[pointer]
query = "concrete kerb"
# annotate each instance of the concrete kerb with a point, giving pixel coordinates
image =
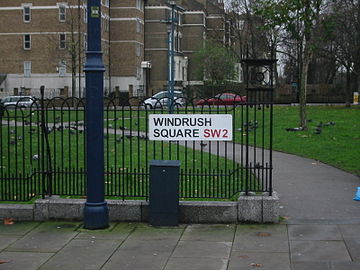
(248, 209)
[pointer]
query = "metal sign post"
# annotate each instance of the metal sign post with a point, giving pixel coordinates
(96, 214)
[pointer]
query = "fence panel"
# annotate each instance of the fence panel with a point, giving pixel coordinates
(43, 149)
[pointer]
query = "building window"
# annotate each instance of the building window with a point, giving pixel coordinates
(62, 68)
(26, 14)
(27, 69)
(27, 42)
(85, 14)
(138, 73)
(62, 41)
(85, 42)
(138, 26)
(138, 49)
(107, 21)
(62, 13)
(140, 5)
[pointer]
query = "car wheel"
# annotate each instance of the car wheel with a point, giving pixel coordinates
(148, 106)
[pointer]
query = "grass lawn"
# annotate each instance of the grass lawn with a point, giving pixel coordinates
(337, 145)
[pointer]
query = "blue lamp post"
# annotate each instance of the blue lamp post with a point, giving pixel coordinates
(96, 214)
(171, 53)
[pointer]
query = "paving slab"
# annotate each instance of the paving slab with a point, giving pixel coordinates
(205, 232)
(89, 254)
(319, 251)
(261, 238)
(260, 260)
(314, 232)
(6, 240)
(118, 231)
(197, 264)
(202, 249)
(23, 260)
(48, 237)
(149, 247)
(350, 230)
(147, 232)
(345, 266)
(18, 228)
(311, 266)
(135, 260)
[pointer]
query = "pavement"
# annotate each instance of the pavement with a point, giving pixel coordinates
(320, 230)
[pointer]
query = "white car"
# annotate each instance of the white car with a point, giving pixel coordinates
(161, 99)
(17, 101)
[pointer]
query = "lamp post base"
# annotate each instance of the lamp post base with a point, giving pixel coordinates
(96, 216)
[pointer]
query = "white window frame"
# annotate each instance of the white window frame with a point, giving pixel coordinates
(138, 26)
(27, 43)
(62, 13)
(62, 68)
(27, 68)
(85, 41)
(85, 15)
(26, 6)
(140, 5)
(62, 41)
(138, 73)
(138, 49)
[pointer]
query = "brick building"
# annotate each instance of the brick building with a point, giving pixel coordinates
(42, 42)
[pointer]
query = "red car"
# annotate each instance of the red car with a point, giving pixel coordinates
(223, 99)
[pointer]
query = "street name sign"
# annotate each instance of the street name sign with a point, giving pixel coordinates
(190, 127)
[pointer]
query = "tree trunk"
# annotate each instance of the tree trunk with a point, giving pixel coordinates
(303, 86)
(348, 91)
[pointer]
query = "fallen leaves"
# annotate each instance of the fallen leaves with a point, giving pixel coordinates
(9, 221)
(2, 262)
(256, 264)
(244, 257)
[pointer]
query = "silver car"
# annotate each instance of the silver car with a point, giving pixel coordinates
(17, 101)
(161, 99)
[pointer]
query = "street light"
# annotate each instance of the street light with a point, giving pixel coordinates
(171, 67)
(96, 213)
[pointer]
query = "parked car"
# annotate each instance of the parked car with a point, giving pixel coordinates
(17, 101)
(223, 99)
(161, 99)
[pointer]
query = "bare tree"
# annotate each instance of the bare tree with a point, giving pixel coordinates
(67, 46)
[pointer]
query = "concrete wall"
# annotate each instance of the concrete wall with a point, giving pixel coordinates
(254, 209)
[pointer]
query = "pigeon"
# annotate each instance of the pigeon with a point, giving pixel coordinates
(49, 130)
(35, 157)
(203, 145)
(119, 139)
(317, 131)
(294, 129)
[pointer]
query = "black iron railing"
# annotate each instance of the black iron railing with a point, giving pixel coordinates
(42, 147)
